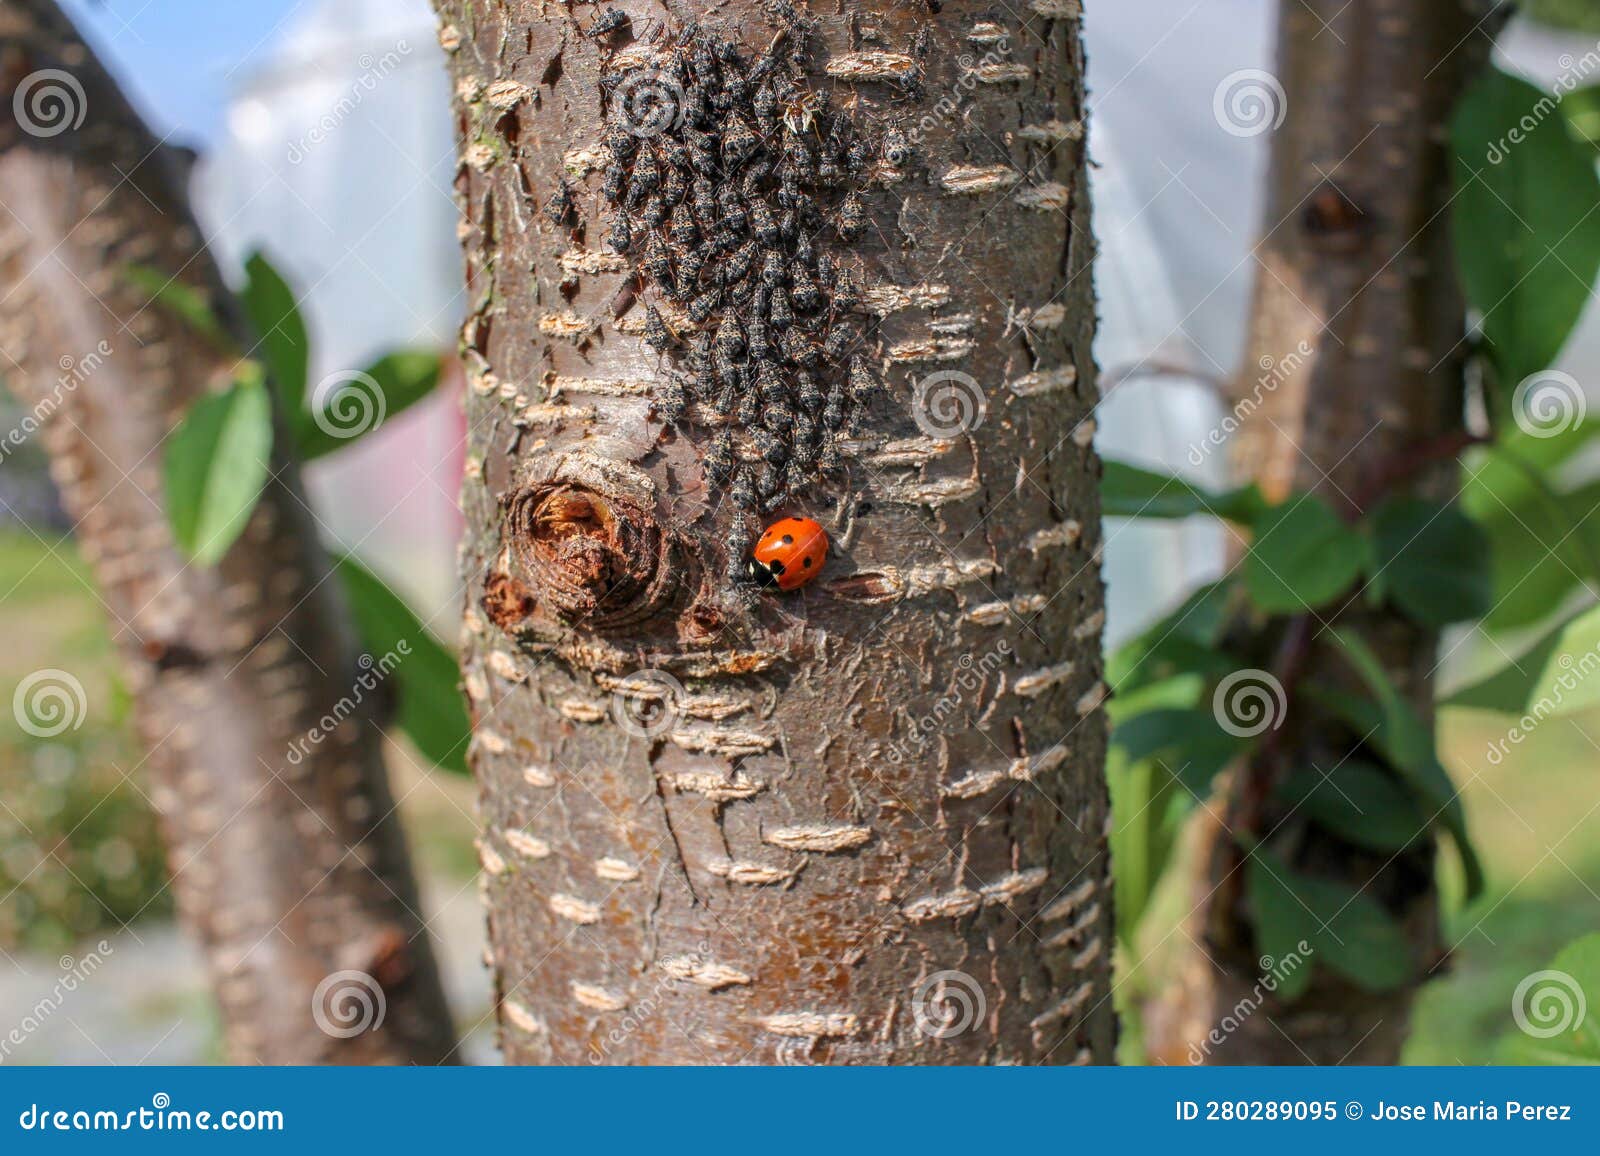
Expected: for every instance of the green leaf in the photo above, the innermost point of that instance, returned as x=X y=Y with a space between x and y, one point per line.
x=1181 y=690
x=355 y=404
x=1147 y=809
x=1359 y=803
x=1347 y=930
x=1184 y=641
x=1582 y=110
x=1406 y=742
x=1187 y=741
x=1134 y=492
x=1527 y=238
x=1553 y=677
x=216 y=463
x=1434 y=561
x=1280 y=929
x=1542 y=543
x=432 y=711
x=285 y=347
x=1302 y=557
x=187 y=303
x=1569 y=680
x=1557 y=1010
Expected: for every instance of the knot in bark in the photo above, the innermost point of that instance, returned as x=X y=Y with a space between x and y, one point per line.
x=587 y=538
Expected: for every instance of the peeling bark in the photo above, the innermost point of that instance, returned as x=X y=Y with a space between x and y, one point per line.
x=288 y=871
x=821 y=827
x=1357 y=268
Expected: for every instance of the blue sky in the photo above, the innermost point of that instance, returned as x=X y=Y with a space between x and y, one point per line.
x=178 y=59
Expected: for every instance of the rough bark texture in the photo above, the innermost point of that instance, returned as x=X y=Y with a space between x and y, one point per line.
x=287 y=872
x=1357 y=265
x=844 y=792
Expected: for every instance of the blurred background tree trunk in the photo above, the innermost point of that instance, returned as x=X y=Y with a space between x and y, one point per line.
x=1356 y=264
x=863 y=823
x=293 y=875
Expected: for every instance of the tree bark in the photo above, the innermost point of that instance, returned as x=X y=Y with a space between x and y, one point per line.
x=864 y=822
x=293 y=875
x=1356 y=326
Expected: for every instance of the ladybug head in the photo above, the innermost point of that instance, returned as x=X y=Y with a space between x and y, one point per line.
x=764 y=574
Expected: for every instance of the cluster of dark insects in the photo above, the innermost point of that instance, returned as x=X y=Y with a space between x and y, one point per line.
x=731 y=183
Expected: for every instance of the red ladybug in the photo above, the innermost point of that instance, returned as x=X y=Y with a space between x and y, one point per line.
x=790 y=554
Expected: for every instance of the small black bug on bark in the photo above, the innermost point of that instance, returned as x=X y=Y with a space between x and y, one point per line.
x=781 y=316
x=611 y=186
x=719 y=460
x=704 y=305
x=621 y=238
x=670 y=402
x=656 y=334
x=852 y=217
x=559 y=207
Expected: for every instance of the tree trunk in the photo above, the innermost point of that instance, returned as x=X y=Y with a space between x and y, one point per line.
x=1358 y=320
x=293 y=875
x=858 y=823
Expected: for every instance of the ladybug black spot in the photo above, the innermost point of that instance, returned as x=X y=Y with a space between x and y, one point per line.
x=806 y=562
x=788 y=539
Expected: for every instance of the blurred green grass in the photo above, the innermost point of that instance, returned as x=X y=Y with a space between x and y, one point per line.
x=79 y=848
x=1578 y=15
x=1536 y=819
x=79 y=851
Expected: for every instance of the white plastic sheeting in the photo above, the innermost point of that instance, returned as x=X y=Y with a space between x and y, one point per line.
x=1176 y=204
x=337 y=159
